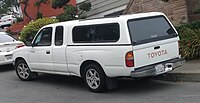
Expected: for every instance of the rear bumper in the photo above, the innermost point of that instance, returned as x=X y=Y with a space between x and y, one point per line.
x=5 y=62
x=152 y=71
x=6 y=23
x=5 y=58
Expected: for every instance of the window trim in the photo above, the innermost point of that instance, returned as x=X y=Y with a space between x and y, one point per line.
x=33 y=43
x=108 y=41
x=62 y=36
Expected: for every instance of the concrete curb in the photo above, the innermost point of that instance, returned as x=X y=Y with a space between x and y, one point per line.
x=183 y=77
x=188 y=72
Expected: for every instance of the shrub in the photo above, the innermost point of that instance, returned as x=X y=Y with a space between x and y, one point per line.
x=190 y=40
x=192 y=25
x=32 y=28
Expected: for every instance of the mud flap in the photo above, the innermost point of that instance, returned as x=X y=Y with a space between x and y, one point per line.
x=111 y=83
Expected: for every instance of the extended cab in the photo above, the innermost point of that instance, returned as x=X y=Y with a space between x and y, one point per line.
x=136 y=45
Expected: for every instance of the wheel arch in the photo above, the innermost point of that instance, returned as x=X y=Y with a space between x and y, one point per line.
x=19 y=58
x=87 y=62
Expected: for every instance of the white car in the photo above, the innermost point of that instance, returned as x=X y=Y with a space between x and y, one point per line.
x=7 y=45
x=7 y=21
x=99 y=50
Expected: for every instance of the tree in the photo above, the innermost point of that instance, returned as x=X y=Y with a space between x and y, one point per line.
x=71 y=12
x=25 y=2
x=59 y=3
x=5 y=5
x=84 y=7
x=38 y=5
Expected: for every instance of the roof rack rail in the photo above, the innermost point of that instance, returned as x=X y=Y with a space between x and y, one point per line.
x=99 y=17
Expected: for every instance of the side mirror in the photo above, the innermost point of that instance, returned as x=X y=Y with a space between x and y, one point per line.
x=32 y=45
x=31 y=38
x=28 y=41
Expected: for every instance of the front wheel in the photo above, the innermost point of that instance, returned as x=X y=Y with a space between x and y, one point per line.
x=23 y=71
x=95 y=78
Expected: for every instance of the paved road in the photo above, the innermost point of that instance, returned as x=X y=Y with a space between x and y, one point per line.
x=62 y=89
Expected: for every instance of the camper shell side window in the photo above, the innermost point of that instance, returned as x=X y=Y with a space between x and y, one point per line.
x=96 y=33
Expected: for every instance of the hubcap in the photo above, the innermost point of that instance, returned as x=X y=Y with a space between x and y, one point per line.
x=22 y=70
x=92 y=78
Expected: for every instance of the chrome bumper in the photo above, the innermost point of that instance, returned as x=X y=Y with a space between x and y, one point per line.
x=152 y=71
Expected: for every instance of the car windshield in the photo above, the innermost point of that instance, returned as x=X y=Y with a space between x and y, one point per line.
x=150 y=29
x=6 y=38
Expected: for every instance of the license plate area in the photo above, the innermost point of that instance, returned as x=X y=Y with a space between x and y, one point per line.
x=159 y=69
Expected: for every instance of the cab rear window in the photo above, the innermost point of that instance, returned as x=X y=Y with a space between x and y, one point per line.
x=150 y=29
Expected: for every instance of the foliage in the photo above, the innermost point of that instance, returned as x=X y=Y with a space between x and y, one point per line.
x=84 y=7
x=25 y=2
x=197 y=11
x=59 y=3
x=192 y=25
x=69 y=13
x=38 y=5
x=39 y=15
x=31 y=29
x=39 y=2
x=6 y=4
x=190 y=39
x=19 y=19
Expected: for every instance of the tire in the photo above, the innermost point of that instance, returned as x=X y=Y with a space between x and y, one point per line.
x=23 y=71
x=94 y=78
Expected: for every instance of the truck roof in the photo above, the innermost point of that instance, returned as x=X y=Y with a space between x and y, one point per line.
x=109 y=19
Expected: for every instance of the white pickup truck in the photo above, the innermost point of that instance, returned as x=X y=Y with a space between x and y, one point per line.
x=136 y=45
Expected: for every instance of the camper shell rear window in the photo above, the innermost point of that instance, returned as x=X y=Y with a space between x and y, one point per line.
x=150 y=29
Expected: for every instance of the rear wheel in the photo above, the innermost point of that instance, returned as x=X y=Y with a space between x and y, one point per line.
x=23 y=71
x=94 y=78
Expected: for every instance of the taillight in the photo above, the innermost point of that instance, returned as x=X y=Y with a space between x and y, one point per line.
x=19 y=46
x=129 y=59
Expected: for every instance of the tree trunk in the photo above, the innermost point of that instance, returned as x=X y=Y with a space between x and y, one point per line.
x=25 y=7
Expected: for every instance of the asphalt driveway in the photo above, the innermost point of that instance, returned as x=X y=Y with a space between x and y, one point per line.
x=65 y=89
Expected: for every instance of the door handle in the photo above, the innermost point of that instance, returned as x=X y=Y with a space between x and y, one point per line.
x=48 y=52
x=157 y=47
x=32 y=51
